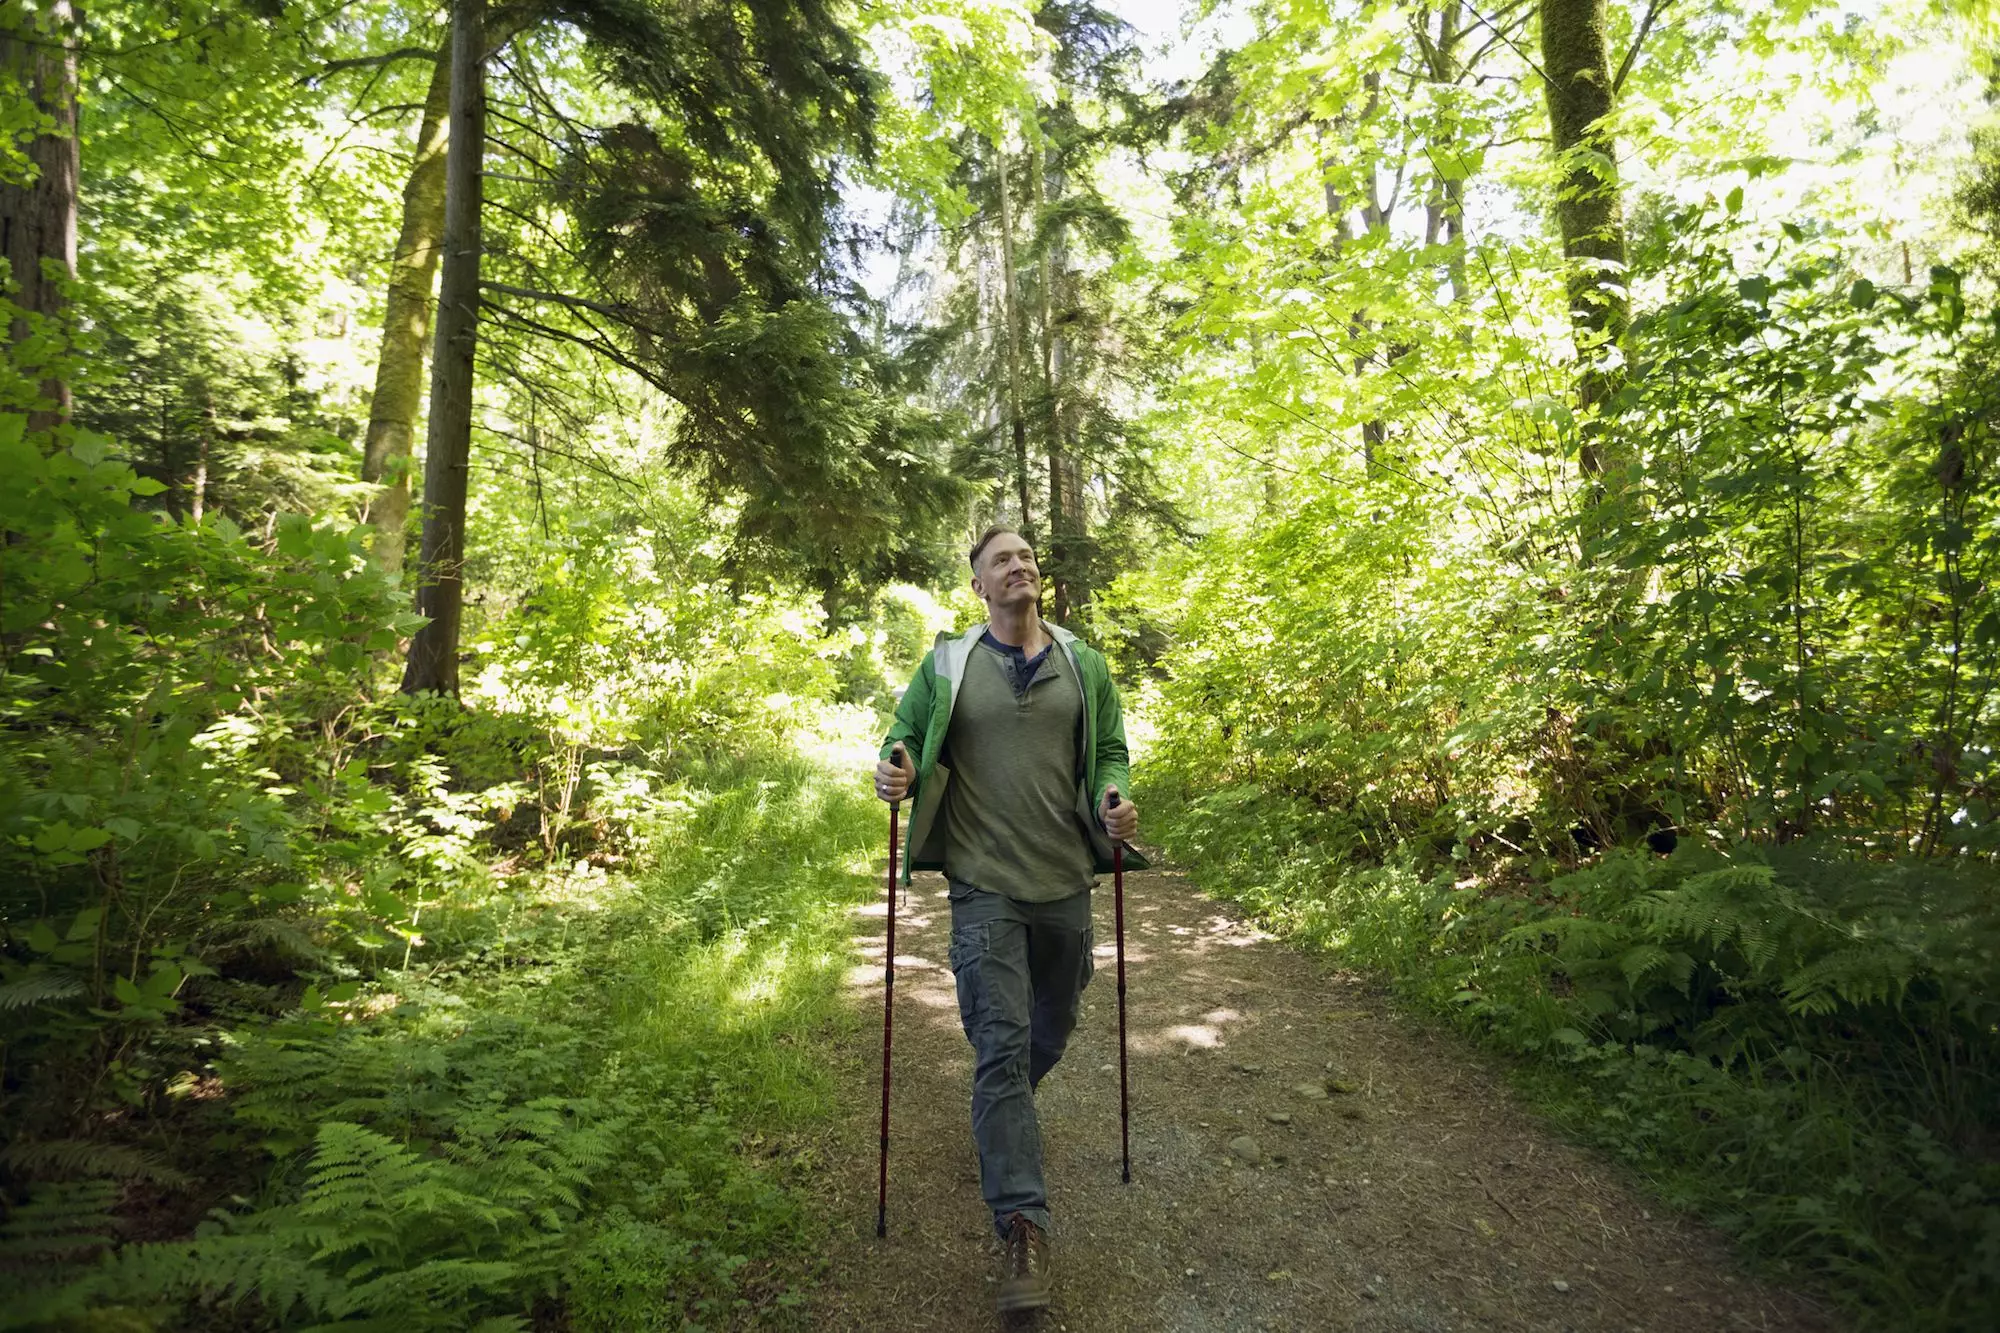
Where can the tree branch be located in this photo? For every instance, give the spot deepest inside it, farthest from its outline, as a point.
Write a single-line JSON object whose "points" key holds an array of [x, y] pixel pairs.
{"points": [[1638, 40], [333, 67], [624, 315], [1507, 38]]}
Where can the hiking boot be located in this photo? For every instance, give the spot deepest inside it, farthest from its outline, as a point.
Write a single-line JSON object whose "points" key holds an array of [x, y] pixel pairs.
{"points": [[1026, 1286]]}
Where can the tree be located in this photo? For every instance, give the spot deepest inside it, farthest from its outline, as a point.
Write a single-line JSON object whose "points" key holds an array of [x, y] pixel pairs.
{"points": [[433, 659], [406, 326], [1010, 323], [38, 194], [1577, 80]]}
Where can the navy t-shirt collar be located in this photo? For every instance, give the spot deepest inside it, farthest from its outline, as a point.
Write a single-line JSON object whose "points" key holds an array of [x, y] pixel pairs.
{"points": [[1021, 669]]}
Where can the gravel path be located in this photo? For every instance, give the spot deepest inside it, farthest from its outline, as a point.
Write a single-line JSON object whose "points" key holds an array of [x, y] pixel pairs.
{"points": [[1396, 1184]]}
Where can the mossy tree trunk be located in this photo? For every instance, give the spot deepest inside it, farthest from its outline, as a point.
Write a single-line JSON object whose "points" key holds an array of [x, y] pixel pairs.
{"points": [[406, 328], [1577, 80]]}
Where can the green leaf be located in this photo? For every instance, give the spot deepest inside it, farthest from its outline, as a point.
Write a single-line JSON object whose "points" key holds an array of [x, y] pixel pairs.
{"points": [[88, 839], [146, 486], [85, 925], [1734, 201]]}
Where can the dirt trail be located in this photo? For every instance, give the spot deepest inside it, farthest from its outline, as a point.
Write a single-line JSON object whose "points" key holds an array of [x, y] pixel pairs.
{"points": [[1425, 1199]]}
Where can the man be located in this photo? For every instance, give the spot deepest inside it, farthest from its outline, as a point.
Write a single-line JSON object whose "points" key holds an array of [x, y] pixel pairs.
{"points": [[1013, 746]]}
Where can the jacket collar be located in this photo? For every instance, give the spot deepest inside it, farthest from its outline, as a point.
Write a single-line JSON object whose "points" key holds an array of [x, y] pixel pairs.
{"points": [[953, 653]]}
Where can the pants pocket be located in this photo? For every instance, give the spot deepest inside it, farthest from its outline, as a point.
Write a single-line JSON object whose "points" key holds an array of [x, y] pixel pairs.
{"points": [[967, 952], [1088, 968]]}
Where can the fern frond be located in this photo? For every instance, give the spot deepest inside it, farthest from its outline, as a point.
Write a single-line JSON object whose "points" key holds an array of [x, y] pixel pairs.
{"points": [[61, 1221], [285, 936], [40, 986], [1641, 961], [69, 1158], [1863, 974]]}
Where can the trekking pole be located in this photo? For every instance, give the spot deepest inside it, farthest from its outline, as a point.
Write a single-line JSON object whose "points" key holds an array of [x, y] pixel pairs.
{"points": [[888, 997], [1118, 910]]}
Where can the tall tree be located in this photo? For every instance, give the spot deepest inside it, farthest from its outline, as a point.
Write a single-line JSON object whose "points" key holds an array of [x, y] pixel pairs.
{"points": [[1065, 520], [433, 660], [38, 191], [1576, 69], [406, 327], [1010, 317]]}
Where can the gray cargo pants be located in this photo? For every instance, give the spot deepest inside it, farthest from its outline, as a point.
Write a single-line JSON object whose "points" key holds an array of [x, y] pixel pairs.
{"points": [[1021, 969]]}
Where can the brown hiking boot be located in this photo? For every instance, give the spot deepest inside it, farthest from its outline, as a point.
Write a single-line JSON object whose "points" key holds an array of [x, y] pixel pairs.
{"points": [[1026, 1286]]}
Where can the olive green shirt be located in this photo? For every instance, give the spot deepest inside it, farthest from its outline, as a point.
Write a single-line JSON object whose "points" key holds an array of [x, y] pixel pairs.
{"points": [[1011, 825]]}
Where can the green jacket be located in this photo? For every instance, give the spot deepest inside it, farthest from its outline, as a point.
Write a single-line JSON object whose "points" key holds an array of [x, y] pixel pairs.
{"points": [[924, 716]]}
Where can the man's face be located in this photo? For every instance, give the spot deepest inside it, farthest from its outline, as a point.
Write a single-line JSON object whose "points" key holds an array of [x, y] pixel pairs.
{"points": [[1007, 574]]}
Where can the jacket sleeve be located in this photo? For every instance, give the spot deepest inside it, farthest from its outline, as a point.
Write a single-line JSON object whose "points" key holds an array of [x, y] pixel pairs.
{"points": [[913, 713], [1112, 759]]}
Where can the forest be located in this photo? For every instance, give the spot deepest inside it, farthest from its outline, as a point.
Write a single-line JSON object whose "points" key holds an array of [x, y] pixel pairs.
{"points": [[475, 476]]}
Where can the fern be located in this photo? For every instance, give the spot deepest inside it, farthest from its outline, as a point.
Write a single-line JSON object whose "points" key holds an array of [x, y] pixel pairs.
{"points": [[60, 1222], [288, 938], [40, 985], [65, 1158]]}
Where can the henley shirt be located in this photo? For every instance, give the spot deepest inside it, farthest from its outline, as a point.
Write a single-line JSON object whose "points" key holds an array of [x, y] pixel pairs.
{"points": [[1011, 825]]}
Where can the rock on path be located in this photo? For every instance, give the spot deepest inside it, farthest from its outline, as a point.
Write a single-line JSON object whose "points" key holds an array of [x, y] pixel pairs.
{"points": [[1411, 1193]]}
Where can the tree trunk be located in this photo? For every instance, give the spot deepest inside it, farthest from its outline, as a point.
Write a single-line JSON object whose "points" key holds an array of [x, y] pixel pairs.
{"points": [[204, 446], [433, 663], [1068, 588], [38, 217], [1010, 314], [406, 327], [1374, 217], [1577, 67], [1446, 218]]}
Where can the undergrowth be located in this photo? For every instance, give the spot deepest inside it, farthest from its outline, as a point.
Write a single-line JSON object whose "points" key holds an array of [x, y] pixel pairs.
{"points": [[577, 1120], [1799, 1044]]}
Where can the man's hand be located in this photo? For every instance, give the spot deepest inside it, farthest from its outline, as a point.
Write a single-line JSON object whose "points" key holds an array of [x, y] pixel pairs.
{"points": [[1120, 821], [894, 775]]}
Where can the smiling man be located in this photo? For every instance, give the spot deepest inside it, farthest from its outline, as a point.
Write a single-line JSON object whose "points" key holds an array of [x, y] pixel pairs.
{"points": [[1018, 743]]}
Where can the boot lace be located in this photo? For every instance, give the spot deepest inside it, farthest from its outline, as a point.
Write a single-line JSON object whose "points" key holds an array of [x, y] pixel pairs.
{"points": [[1024, 1251]]}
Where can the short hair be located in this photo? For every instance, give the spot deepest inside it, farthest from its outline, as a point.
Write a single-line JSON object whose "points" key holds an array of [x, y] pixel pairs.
{"points": [[998, 529]]}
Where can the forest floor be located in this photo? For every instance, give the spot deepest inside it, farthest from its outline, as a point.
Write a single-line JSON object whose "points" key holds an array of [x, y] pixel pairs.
{"points": [[1397, 1183]]}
